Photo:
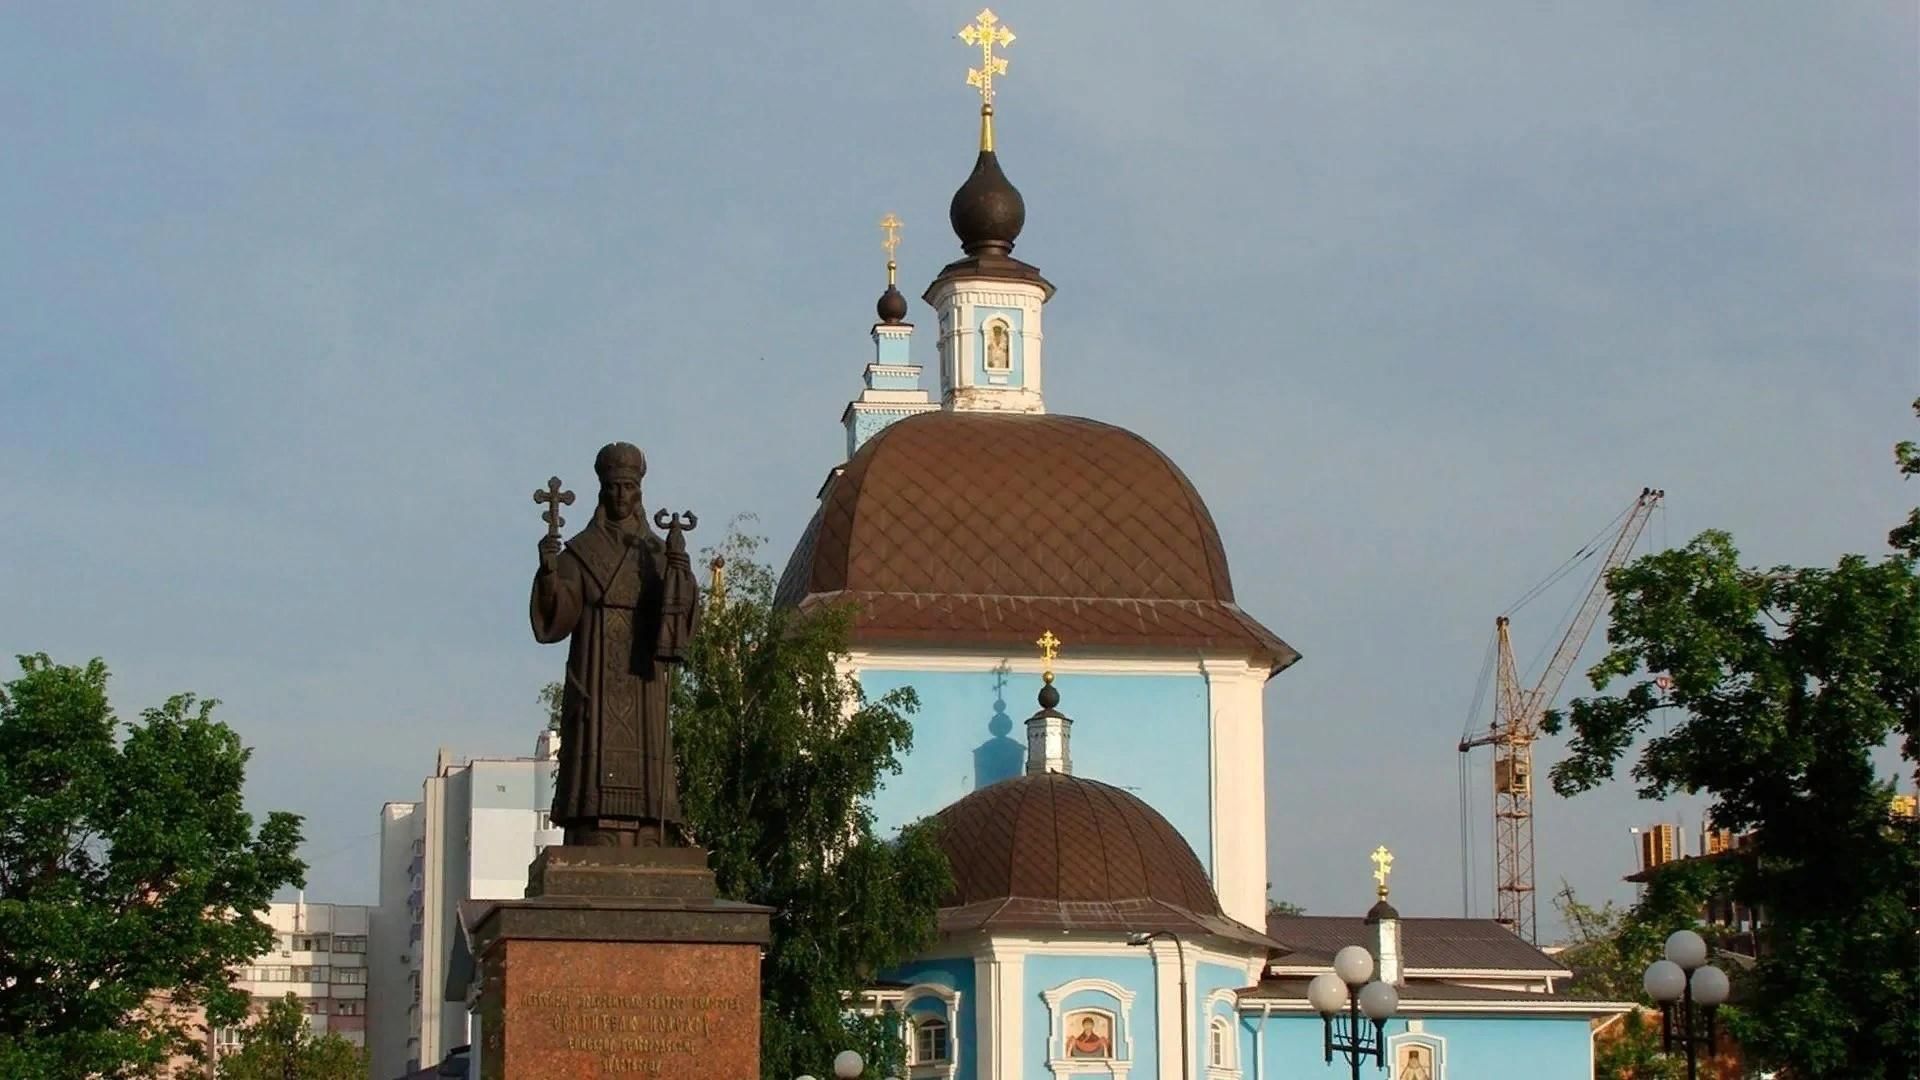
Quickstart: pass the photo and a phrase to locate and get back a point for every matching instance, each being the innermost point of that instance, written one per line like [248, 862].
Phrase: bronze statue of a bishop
[626, 601]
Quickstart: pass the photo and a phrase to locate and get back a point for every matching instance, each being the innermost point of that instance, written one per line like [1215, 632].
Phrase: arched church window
[929, 1041]
[999, 345]
[1217, 1043]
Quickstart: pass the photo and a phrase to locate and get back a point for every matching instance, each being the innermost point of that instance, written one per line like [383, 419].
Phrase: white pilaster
[1166, 992]
[999, 973]
[1239, 797]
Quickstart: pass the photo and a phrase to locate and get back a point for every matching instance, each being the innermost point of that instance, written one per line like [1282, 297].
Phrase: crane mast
[1516, 724]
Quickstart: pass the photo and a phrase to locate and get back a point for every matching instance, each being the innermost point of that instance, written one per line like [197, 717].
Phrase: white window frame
[948, 1013]
[1120, 1008]
[1221, 1012]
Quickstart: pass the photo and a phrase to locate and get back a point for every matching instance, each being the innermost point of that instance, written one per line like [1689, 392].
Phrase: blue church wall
[982, 376]
[1133, 972]
[868, 423]
[954, 973]
[1145, 733]
[1483, 1047]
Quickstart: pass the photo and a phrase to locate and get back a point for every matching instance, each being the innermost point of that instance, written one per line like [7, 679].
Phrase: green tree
[1784, 682]
[278, 1044]
[550, 699]
[779, 755]
[129, 873]
[1906, 536]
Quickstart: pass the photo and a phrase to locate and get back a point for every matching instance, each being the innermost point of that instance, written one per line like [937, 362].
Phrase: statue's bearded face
[620, 496]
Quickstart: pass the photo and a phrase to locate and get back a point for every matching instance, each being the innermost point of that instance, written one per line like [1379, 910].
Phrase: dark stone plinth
[636, 969]
[621, 872]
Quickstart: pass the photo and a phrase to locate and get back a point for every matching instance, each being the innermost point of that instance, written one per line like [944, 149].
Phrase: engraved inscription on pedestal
[576, 1009]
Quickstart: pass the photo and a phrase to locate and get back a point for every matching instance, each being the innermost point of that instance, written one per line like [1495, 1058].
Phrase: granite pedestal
[621, 962]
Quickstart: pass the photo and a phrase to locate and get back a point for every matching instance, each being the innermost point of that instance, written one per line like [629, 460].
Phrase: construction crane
[1516, 722]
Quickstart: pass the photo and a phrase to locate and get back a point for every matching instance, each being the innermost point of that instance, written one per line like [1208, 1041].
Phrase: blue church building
[1109, 911]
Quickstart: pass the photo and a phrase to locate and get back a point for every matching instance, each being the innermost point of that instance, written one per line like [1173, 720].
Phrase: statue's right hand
[549, 553]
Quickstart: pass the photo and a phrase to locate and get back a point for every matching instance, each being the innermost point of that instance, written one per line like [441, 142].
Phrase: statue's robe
[629, 610]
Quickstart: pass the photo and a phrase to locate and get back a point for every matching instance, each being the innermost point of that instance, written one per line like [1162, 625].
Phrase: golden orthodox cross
[1382, 866]
[890, 225]
[985, 31]
[1049, 648]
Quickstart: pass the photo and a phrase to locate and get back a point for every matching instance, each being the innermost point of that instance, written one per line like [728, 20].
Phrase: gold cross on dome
[1049, 648]
[986, 31]
[1382, 866]
[890, 226]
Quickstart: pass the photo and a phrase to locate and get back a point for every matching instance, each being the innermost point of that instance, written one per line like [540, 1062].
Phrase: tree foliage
[129, 871]
[779, 754]
[278, 1044]
[1784, 682]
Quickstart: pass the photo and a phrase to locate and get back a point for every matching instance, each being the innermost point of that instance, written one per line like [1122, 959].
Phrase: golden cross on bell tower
[890, 225]
[1049, 648]
[986, 31]
[1382, 866]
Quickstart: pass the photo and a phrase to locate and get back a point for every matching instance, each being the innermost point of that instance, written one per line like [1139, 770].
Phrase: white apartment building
[319, 955]
[471, 836]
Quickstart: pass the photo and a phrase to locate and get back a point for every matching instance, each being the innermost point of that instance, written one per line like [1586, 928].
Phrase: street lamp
[1342, 996]
[1685, 979]
[847, 1065]
[1144, 937]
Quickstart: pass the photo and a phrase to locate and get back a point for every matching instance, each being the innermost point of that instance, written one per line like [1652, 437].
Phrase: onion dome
[1051, 852]
[892, 307]
[987, 212]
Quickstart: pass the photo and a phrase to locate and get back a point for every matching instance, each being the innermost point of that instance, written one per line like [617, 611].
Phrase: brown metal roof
[1432, 944]
[1058, 852]
[958, 528]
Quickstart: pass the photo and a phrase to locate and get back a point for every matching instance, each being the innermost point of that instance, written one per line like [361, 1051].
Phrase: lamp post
[847, 1065]
[1681, 981]
[1342, 997]
[1143, 938]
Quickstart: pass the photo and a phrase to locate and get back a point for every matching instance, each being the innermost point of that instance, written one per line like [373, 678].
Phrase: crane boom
[1516, 723]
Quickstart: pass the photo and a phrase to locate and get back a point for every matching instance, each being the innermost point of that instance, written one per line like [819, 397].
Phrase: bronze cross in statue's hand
[555, 499]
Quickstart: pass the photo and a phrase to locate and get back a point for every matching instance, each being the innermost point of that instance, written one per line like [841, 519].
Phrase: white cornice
[1561, 1006]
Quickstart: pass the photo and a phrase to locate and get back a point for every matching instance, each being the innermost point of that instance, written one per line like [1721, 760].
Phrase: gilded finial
[890, 226]
[1049, 648]
[985, 32]
[717, 579]
[1382, 866]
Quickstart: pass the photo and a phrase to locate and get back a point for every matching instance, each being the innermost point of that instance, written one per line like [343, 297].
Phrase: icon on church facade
[1089, 1034]
[999, 347]
[1413, 1062]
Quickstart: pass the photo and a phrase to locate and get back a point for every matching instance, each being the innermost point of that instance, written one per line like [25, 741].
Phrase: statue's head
[620, 467]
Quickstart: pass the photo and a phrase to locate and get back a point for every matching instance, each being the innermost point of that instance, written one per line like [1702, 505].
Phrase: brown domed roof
[959, 528]
[1057, 852]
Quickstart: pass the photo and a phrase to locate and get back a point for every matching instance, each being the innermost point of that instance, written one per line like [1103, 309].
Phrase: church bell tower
[988, 302]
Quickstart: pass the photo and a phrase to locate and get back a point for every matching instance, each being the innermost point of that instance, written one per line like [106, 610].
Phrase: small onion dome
[987, 212]
[1380, 912]
[1049, 695]
[892, 307]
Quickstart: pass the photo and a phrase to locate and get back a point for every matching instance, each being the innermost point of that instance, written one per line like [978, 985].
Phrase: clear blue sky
[299, 303]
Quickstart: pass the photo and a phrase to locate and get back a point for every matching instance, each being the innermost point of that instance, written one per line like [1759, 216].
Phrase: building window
[303, 943]
[929, 1041]
[354, 943]
[349, 975]
[316, 1006]
[347, 1008]
[1217, 1043]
